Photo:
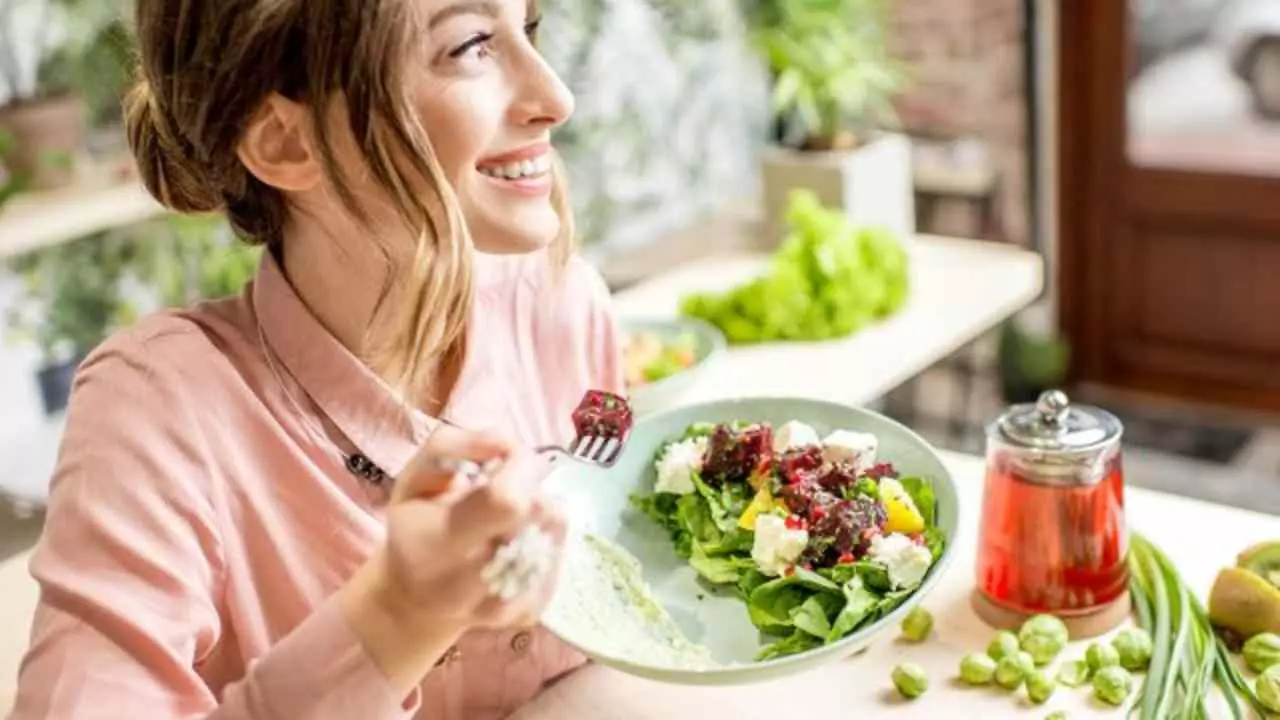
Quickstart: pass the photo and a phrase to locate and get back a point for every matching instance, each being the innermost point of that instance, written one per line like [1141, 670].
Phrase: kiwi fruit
[1263, 560]
[1244, 603]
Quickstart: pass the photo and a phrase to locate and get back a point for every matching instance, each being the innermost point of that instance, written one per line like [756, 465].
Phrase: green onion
[1187, 655]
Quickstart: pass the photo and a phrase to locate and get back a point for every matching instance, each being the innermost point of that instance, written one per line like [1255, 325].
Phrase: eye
[531, 28]
[476, 46]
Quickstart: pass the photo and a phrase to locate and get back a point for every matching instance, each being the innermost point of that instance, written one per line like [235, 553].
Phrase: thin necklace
[357, 463]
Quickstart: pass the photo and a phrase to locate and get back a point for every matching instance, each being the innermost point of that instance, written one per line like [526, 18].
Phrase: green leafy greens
[828, 279]
[801, 610]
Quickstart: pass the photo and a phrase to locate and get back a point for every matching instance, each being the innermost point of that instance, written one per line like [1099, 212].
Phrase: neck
[341, 286]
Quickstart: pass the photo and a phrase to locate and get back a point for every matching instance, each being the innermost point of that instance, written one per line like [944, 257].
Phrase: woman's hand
[423, 589]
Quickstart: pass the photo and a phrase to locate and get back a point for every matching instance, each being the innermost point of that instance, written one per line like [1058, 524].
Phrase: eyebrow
[466, 7]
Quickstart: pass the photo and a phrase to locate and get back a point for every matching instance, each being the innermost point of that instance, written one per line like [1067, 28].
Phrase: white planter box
[873, 184]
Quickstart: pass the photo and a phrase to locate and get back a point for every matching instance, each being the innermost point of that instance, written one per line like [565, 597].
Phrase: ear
[278, 147]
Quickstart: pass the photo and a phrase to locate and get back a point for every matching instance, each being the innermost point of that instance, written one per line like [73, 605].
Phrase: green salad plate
[718, 574]
[662, 376]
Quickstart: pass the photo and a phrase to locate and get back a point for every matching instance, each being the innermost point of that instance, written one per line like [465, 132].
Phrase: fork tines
[597, 448]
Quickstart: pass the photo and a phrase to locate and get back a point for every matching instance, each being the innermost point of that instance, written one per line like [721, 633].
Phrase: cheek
[460, 123]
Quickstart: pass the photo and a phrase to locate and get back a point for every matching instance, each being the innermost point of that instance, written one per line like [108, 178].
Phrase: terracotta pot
[48, 134]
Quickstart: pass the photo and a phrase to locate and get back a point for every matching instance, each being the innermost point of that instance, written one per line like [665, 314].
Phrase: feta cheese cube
[678, 464]
[854, 447]
[792, 434]
[906, 562]
[776, 546]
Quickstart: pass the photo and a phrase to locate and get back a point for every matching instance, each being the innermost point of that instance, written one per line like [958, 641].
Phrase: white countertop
[960, 289]
[860, 686]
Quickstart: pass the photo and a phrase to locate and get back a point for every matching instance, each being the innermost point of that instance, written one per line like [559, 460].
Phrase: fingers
[498, 508]
[526, 610]
[428, 474]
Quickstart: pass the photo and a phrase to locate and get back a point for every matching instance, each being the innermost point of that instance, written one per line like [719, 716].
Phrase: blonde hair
[205, 66]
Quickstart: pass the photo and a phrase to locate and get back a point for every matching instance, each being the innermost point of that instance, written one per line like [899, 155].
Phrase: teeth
[519, 169]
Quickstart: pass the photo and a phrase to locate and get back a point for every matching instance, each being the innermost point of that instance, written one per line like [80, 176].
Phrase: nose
[542, 99]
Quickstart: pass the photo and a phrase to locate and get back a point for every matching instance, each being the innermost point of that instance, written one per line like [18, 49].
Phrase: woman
[251, 518]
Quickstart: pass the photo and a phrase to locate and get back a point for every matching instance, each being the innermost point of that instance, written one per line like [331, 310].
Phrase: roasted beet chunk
[797, 460]
[602, 413]
[881, 470]
[845, 527]
[733, 454]
[838, 476]
[805, 493]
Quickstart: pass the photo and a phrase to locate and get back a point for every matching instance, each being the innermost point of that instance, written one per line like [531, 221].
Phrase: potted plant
[71, 302]
[832, 83]
[1030, 362]
[47, 118]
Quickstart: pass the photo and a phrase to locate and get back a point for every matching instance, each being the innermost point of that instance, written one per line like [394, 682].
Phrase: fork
[599, 450]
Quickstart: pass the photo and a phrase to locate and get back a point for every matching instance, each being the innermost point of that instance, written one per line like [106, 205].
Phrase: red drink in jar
[1053, 536]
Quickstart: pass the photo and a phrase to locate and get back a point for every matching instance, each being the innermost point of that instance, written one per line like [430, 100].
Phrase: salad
[814, 535]
[648, 357]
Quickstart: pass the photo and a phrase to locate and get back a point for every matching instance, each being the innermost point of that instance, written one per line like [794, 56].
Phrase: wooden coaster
[1091, 625]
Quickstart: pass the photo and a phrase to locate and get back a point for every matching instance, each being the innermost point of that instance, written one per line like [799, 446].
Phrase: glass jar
[1053, 537]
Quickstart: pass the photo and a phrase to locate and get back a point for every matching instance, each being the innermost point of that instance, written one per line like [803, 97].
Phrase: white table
[960, 289]
[860, 687]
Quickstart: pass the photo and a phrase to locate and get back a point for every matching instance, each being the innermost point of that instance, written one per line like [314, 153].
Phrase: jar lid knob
[1053, 406]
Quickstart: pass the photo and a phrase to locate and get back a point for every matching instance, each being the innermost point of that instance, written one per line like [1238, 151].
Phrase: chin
[514, 233]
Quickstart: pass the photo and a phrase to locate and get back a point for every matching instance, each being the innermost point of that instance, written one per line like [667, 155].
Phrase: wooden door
[1169, 161]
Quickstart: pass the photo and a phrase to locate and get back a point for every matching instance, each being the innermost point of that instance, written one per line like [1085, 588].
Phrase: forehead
[434, 12]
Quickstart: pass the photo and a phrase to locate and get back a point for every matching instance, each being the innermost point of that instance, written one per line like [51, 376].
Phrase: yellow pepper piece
[761, 503]
[903, 518]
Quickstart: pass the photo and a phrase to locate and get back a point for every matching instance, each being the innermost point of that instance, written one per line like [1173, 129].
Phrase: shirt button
[521, 642]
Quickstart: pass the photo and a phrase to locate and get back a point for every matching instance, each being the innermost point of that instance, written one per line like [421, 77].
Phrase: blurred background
[1134, 146]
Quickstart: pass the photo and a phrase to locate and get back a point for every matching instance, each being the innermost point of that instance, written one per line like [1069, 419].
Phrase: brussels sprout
[1262, 651]
[1100, 655]
[1044, 636]
[1043, 648]
[1133, 645]
[1004, 643]
[1074, 673]
[917, 624]
[1040, 687]
[1013, 669]
[1047, 625]
[977, 669]
[1112, 684]
[1267, 688]
[910, 680]
[1057, 715]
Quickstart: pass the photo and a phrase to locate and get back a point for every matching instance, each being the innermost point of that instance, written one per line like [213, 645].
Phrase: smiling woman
[223, 540]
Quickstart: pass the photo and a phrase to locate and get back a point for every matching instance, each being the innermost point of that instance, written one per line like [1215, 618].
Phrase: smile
[527, 168]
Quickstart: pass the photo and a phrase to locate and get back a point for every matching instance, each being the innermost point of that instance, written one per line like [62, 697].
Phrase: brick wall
[965, 59]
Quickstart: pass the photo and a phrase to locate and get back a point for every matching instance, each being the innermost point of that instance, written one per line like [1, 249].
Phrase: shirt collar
[380, 425]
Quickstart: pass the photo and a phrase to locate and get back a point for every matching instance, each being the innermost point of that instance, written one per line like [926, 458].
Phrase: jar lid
[1053, 424]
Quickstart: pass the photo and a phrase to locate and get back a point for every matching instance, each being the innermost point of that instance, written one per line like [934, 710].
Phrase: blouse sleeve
[130, 571]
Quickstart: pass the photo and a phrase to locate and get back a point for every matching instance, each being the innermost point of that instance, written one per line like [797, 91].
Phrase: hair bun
[165, 162]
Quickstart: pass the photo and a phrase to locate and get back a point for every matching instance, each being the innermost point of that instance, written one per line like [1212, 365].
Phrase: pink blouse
[201, 515]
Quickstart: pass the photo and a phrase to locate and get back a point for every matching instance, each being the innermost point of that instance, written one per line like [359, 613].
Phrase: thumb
[431, 472]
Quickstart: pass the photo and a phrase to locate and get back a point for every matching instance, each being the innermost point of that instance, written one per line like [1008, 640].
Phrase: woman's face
[489, 102]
